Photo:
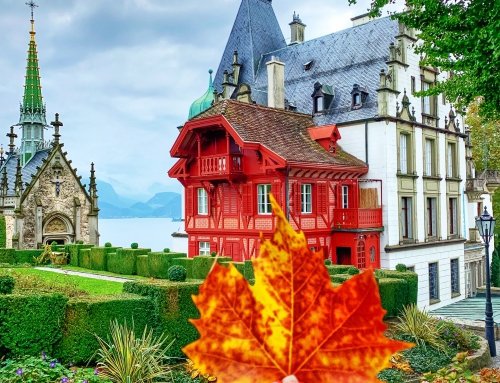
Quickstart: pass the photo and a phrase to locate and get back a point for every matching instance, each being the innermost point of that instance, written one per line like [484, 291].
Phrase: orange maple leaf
[292, 321]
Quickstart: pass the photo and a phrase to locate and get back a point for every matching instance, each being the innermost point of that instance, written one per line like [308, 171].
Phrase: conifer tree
[495, 269]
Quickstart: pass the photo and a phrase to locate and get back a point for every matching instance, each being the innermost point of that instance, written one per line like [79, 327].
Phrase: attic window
[359, 95]
[308, 65]
[323, 96]
[319, 104]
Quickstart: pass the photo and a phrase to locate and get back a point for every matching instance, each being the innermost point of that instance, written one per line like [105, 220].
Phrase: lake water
[153, 233]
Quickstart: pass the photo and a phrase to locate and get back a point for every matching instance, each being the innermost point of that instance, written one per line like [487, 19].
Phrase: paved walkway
[85, 275]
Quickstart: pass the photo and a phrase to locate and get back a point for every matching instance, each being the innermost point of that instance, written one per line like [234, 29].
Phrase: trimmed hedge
[160, 262]
[126, 260]
[202, 265]
[73, 250]
[99, 257]
[84, 258]
[30, 323]
[187, 263]
[393, 294]
[342, 269]
[339, 278]
[249, 274]
[410, 277]
[8, 255]
[26, 256]
[240, 266]
[173, 307]
[87, 316]
[142, 266]
[3, 232]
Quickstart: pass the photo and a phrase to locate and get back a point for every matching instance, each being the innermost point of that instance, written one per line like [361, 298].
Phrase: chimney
[297, 29]
[275, 83]
[361, 19]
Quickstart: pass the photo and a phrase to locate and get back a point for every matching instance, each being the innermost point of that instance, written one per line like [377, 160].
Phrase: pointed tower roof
[32, 108]
[255, 32]
[205, 101]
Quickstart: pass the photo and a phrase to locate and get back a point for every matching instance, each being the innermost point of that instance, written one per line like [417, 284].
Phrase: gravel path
[85, 275]
[495, 362]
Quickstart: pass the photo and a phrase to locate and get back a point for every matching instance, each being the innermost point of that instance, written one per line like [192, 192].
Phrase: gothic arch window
[361, 255]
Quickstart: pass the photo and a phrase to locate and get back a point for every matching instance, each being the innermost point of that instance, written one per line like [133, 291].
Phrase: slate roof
[29, 169]
[255, 32]
[283, 132]
[341, 59]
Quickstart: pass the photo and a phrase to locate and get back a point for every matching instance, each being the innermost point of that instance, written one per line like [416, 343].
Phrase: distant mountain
[161, 205]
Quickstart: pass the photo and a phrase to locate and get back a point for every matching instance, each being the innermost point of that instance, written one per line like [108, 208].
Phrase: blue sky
[123, 73]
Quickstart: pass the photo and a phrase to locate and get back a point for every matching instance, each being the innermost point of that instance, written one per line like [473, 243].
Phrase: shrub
[495, 269]
[339, 278]
[84, 258]
[393, 295]
[420, 327]
[30, 322]
[177, 273]
[107, 244]
[249, 274]
[458, 372]
[401, 267]
[160, 262]
[53, 246]
[99, 257]
[203, 264]
[455, 336]
[328, 262]
[213, 254]
[3, 232]
[134, 245]
[391, 375]
[142, 266]
[166, 250]
[240, 266]
[73, 251]
[86, 316]
[342, 269]
[187, 263]
[423, 359]
[32, 369]
[127, 358]
[410, 277]
[7, 283]
[8, 255]
[126, 260]
[173, 307]
[80, 242]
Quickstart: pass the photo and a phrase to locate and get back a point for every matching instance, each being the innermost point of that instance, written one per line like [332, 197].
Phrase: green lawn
[92, 286]
[99, 272]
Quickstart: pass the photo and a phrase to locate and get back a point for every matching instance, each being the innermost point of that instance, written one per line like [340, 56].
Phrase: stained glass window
[433, 281]
[455, 286]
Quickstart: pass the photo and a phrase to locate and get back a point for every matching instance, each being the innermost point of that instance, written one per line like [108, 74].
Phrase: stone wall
[9, 229]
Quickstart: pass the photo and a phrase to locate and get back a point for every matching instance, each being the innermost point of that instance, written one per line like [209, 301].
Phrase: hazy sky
[123, 73]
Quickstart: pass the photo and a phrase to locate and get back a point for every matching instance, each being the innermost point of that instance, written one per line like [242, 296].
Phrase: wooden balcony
[357, 218]
[221, 165]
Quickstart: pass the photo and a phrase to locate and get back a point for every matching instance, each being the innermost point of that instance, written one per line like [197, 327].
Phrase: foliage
[391, 375]
[7, 283]
[459, 37]
[98, 257]
[280, 340]
[30, 322]
[328, 262]
[342, 269]
[197, 373]
[457, 373]
[249, 274]
[8, 256]
[134, 245]
[53, 246]
[187, 263]
[410, 277]
[213, 254]
[73, 250]
[160, 262]
[80, 242]
[401, 267]
[173, 309]
[107, 244]
[142, 266]
[3, 232]
[424, 359]
[166, 250]
[124, 261]
[91, 315]
[177, 273]
[84, 258]
[393, 295]
[45, 257]
[43, 369]
[488, 375]
[202, 265]
[124, 356]
[495, 269]
[456, 336]
[420, 327]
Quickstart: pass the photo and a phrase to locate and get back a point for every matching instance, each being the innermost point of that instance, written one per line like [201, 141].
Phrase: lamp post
[486, 225]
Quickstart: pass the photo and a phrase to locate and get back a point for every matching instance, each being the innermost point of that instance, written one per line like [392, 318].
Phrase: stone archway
[57, 228]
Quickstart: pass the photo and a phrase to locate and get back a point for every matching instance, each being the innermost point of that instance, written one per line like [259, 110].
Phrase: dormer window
[359, 95]
[323, 96]
[308, 65]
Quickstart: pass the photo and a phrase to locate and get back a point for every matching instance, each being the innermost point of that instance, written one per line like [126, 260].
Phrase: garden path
[495, 362]
[85, 275]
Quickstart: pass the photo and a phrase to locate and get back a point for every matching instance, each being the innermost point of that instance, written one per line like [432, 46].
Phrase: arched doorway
[58, 228]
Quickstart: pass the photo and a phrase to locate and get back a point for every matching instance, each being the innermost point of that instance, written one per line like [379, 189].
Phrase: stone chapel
[41, 196]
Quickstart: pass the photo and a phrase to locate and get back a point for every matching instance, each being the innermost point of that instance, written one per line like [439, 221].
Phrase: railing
[357, 218]
[491, 176]
[225, 164]
[475, 185]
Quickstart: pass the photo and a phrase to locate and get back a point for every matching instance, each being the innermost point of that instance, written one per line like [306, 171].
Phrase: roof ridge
[263, 107]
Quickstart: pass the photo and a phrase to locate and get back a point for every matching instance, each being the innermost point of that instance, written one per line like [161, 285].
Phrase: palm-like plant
[420, 326]
[124, 356]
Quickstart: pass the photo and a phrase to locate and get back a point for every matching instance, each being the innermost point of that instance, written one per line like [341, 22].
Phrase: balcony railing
[357, 218]
[491, 176]
[475, 185]
[221, 164]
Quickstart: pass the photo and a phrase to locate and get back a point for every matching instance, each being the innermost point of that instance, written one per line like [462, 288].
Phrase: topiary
[166, 250]
[80, 242]
[53, 246]
[328, 262]
[107, 244]
[134, 245]
[401, 267]
[177, 273]
[213, 254]
[6, 284]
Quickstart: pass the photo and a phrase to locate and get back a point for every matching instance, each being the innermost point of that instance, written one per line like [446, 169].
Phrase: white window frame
[452, 207]
[451, 156]
[429, 148]
[320, 104]
[406, 217]
[431, 216]
[427, 99]
[403, 153]
[345, 197]
[204, 248]
[306, 198]
[202, 202]
[263, 202]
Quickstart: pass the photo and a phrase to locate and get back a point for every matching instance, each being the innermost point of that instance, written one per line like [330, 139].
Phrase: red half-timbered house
[234, 154]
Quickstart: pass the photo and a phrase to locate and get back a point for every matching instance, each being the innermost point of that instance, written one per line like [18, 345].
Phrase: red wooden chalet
[233, 154]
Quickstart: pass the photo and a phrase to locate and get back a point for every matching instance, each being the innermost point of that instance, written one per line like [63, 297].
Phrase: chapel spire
[32, 118]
